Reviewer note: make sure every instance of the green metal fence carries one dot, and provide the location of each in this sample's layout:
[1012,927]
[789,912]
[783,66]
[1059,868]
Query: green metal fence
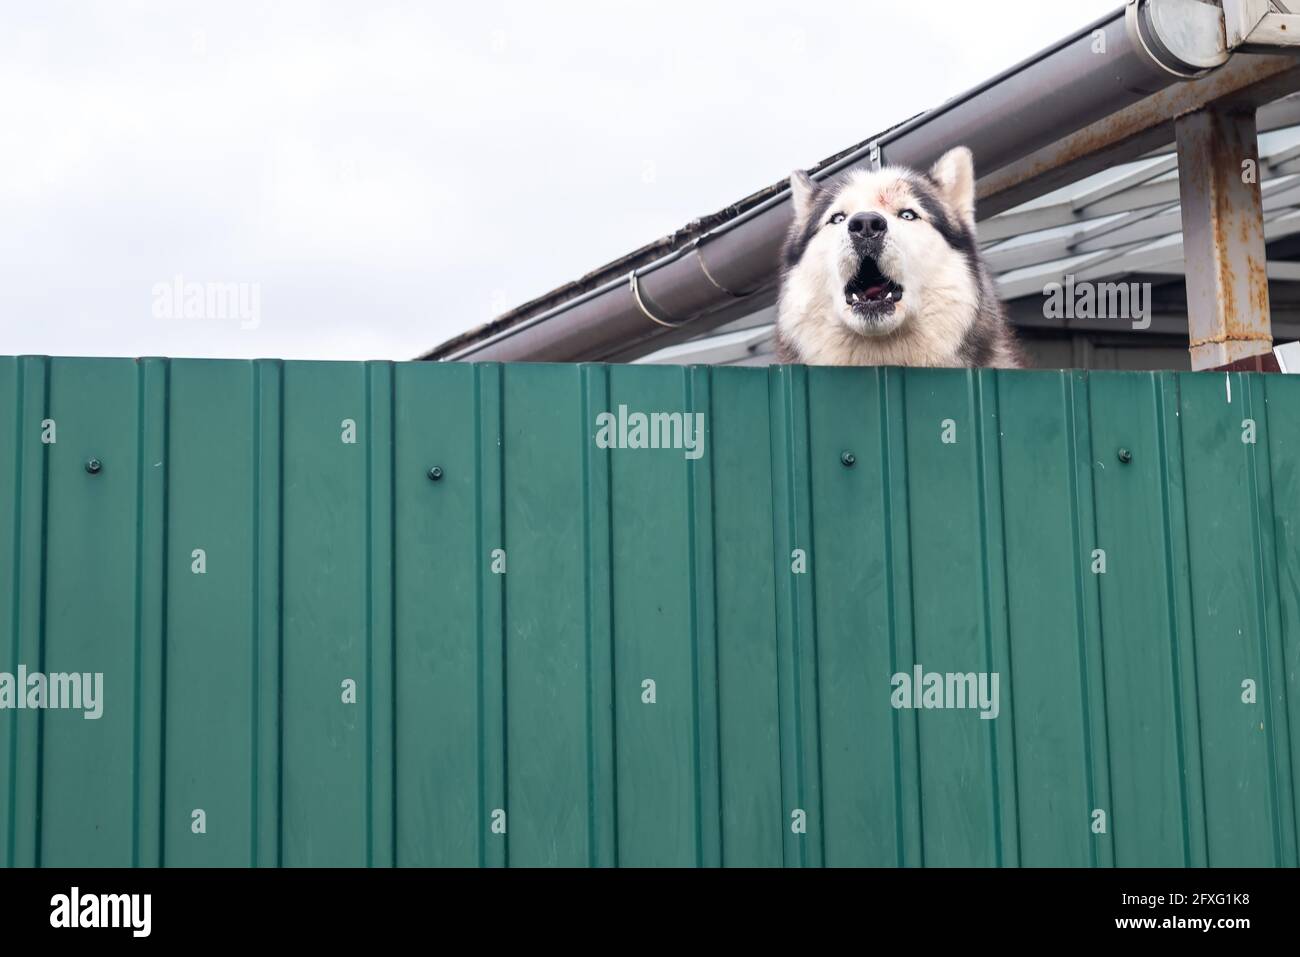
[314,653]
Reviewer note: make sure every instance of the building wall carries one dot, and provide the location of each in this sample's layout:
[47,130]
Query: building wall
[1090,351]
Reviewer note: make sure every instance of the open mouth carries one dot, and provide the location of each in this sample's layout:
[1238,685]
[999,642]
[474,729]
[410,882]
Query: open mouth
[870,291]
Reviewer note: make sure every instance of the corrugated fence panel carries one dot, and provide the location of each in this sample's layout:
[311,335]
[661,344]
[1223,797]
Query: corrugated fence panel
[861,748]
[1235,620]
[796,565]
[479,615]
[1051,598]
[656,718]
[548,675]
[947,523]
[1136,552]
[325,678]
[438,660]
[11,416]
[749,743]
[1283,450]
[87,787]
[211,662]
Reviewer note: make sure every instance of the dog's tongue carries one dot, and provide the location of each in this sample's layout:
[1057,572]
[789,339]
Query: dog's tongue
[875,292]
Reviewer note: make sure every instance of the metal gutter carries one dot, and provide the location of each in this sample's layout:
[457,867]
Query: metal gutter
[710,275]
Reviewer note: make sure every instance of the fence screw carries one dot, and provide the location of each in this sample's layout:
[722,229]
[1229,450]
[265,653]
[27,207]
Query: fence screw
[93,466]
[847,459]
[435,473]
[1125,456]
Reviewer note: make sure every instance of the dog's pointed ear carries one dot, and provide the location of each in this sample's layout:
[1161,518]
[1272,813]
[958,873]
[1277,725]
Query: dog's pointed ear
[954,174]
[803,194]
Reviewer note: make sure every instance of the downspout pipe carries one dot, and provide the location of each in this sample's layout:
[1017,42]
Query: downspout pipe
[1116,61]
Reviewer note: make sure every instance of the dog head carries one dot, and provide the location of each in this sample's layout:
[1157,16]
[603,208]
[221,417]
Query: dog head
[881,252]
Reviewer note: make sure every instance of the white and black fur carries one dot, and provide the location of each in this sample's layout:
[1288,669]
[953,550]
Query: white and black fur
[883,269]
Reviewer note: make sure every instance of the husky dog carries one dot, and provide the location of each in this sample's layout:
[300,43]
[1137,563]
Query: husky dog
[883,269]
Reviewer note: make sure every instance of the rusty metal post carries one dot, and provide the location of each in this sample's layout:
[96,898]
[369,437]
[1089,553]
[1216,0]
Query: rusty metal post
[1223,237]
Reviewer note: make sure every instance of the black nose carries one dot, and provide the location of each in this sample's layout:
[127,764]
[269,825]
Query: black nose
[867,224]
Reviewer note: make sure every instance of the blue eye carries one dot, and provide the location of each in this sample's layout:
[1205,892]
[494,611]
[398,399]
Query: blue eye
[837,219]
[908,215]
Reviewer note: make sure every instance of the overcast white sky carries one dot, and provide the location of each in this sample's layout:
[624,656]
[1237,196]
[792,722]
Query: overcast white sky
[384,175]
